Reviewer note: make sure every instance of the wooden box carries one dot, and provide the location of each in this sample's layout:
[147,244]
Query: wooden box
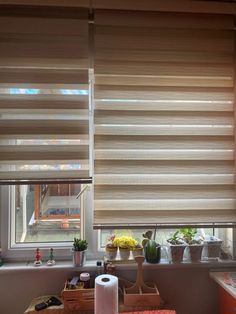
[78,299]
[144,296]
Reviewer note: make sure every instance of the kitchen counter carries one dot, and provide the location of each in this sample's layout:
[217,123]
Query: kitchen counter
[222,277]
[227,290]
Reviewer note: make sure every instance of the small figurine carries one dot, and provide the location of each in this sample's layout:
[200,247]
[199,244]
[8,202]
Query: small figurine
[51,261]
[37,261]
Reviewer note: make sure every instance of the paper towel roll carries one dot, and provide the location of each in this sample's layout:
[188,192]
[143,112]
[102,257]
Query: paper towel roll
[106,294]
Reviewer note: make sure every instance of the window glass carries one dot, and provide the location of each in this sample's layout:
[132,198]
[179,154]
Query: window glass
[47,213]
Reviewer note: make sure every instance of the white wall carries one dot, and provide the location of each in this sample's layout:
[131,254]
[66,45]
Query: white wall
[189,291]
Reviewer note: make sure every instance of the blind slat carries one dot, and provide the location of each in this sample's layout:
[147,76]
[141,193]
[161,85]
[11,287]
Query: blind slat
[171,154]
[44,152]
[165,205]
[164,179]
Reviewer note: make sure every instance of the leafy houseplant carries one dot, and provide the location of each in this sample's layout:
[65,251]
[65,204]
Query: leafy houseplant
[195,245]
[111,248]
[152,248]
[189,234]
[176,247]
[79,249]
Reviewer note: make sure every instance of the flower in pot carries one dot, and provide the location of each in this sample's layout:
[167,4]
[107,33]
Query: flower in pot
[125,244]
[151,248]
[195,245]
[111,248]
[176,247]
[79,249]
[137,250]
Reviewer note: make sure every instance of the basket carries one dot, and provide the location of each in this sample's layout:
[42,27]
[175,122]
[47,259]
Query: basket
[78,299]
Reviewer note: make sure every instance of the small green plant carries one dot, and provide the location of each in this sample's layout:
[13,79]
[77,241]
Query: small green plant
[189,236]
[147,236]
[175,239]
[151,247]
[80,245]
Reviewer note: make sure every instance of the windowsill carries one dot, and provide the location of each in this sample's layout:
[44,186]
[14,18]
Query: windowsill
[91,265]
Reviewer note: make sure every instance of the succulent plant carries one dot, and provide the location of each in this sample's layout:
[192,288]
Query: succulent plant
[151,247]
[80,245]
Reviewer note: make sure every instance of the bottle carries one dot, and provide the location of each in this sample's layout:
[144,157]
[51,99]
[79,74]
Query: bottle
[99,268]
[85,279]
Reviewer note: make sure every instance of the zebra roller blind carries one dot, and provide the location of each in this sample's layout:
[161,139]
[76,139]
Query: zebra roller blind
[164,118]
[44,94]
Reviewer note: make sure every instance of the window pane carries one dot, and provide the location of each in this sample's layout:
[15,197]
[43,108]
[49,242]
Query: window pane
[47,213]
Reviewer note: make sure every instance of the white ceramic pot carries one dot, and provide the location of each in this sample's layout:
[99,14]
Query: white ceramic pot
[124,254]
[111,253]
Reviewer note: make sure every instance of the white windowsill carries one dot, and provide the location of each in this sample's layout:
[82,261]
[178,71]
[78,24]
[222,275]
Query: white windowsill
[91,266]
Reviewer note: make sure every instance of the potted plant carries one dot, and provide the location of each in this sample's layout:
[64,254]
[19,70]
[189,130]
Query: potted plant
[213,246]
[195,245]
[176,247]
[79,249]
[137,250]
[125,244]
[111,248]
[151,248]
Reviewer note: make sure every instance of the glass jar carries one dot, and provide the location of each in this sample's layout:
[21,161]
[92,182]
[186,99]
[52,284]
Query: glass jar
[85,279]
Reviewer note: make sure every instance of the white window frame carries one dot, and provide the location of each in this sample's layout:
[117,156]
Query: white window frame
[26,251]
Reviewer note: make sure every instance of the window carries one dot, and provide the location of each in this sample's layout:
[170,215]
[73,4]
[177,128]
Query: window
[155,130]
[49,212]
[45,114]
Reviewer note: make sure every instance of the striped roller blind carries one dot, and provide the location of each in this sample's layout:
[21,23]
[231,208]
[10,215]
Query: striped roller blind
[44,94]
[164,118]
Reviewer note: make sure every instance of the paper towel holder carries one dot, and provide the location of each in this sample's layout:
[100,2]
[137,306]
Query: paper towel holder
[141,294]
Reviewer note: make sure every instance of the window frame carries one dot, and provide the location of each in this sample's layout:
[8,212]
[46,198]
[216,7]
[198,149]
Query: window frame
[26,251]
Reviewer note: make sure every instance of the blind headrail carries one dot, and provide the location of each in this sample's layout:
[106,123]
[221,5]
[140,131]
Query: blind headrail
[164,226]
[47,181]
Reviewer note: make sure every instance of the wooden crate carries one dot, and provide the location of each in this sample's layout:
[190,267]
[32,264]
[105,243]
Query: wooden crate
[78,299]
[151,297]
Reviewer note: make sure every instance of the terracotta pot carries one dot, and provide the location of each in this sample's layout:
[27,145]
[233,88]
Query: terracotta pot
[177,252]
[124,254]
[213,248]
[195,252]
[111,253]
[137,252]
